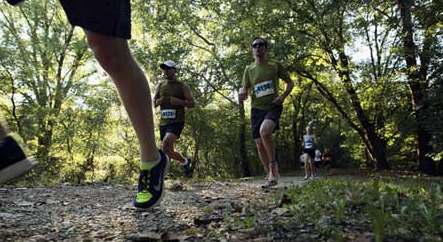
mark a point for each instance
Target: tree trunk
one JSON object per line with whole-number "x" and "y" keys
{"x": 242, "y": 147}
{"x": 297, "y": 150}
{"x": 44, "y": 140}
{"x": 377, "y": 147}
{"x": 419, "y": 96}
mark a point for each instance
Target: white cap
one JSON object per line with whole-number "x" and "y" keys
{"x": 168, "y": 63}
{"x": 312, "y": 122}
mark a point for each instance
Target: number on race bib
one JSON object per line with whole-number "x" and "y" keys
{"x": 168, "y": 113}
{"x": 264, "y": 88}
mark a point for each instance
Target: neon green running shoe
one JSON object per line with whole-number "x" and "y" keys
{"x": 151, "y": 184}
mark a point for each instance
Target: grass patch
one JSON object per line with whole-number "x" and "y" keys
{"x": 382, "y": 208}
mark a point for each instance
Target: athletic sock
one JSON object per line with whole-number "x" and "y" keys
{"x": 148, "y": 164}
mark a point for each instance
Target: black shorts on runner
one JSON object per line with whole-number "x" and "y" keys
{"x": 175, "y": 128}
{"x": 258, "y": 116}
{"x": 311, "y": 152}
{"x": 107, "y": 17}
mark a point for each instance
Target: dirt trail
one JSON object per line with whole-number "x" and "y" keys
{"x": 218, "y": 211}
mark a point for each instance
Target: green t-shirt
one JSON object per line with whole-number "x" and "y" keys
{"x": 263, "y": 81}
{"x": 171, "y": 113}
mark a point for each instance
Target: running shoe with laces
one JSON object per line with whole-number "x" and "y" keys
{"x": 266, "y": 185}
{"x": 13, "y": 161}
{"x": 273, "y": 174}
{"x": 187, "y": 167}
{"x": 151, "y": 184}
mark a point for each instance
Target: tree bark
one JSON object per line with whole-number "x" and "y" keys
{"x": 242, "y": 148}
{"x": 297, "y": 148}
{"x": 417, "y": 81}
{"x": 378, "y": 144}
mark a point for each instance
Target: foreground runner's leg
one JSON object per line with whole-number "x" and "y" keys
{"x": 107, "y": 32}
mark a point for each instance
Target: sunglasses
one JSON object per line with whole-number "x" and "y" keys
{"x": 258, "y": 44}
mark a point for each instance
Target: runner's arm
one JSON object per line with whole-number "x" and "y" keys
{"x": 289, "y": 86}
{"x": 157, "y": 100}
{"x": 246, "y": 86}
{"x": 189, "y": 99}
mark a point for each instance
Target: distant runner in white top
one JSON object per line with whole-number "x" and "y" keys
{"x": 309, "y": 142}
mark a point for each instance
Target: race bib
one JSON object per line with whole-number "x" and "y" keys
{"x": 168, "y": 113}
{"x": 264, "y": 88}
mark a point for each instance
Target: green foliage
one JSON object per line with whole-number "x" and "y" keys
{"x": 388, "y": 208}
{"x": 379, "y": 221}
{"x": 339, "y": 209}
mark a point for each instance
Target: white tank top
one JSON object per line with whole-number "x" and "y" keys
{"x": 309, "y": 141}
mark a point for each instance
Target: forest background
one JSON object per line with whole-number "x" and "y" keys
{"x": 369, "y": 72}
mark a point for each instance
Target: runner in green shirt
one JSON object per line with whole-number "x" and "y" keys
{"x": 261, "y": 79}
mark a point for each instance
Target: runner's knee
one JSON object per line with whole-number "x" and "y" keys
{"x": 167, "y": 146}
{"x": 266, "y": 133}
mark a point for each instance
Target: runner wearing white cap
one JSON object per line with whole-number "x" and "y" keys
{"x": 173, "y": 96}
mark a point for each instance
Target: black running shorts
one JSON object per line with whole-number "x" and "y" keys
{"x": 258, "y": 116}
{"x": 175, "y": 128}
{"x": 310, "y": 151}
{"x": 107, "y": 17}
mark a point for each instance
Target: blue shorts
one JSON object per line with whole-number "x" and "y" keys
{"x": 258, "y": 116}
{"x": 175, "y": 128}
{"x": 107, "y": 17}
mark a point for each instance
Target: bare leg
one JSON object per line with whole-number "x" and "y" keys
{"x": 312, "y": 165}
{"x": 266, "y": 130}
{"x": 306, "y": 158}
{"x": 168, "y": 147}
{"x": 262, "y": 154}
{"x": 115, "y": 57}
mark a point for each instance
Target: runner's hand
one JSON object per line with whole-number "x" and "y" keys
{"x": 159, "y": 101}
{"x": 242, "y": 95}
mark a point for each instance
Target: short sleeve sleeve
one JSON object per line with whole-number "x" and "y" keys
{"x": 246, "y": 82}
